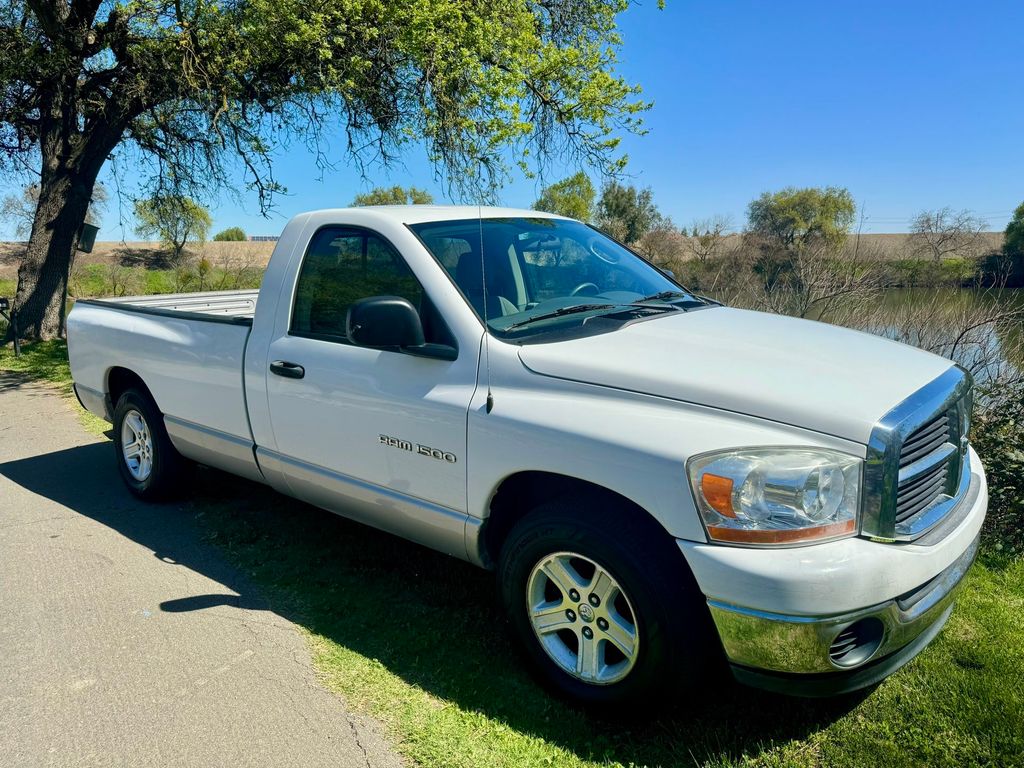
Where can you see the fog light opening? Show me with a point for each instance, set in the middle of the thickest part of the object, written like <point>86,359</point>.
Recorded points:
<point>856,643</point>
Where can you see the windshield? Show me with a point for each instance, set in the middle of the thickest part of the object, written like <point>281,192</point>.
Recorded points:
<point>549,275</point>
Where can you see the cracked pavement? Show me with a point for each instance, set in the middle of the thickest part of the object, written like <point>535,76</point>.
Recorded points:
<point>125,640</point>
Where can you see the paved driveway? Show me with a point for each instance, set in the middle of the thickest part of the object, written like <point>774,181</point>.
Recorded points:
<point>124,640</point>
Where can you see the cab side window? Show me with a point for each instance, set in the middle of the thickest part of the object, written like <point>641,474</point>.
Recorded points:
<point>343,265</point>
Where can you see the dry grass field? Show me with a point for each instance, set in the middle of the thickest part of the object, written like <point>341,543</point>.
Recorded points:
<point>143,254</point>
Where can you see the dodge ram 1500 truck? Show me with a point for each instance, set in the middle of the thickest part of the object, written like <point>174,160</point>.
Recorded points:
<point>661,483</point>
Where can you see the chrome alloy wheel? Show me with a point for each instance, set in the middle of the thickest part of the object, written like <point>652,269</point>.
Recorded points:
<point>583,618</point>
<point>137,445</point>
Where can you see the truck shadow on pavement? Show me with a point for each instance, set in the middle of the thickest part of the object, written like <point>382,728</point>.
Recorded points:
<point>427,618</point>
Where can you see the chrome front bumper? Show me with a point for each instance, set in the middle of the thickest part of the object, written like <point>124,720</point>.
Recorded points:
<point>797,654</point>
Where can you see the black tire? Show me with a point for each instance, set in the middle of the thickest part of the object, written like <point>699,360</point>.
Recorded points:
<point>677,651</point>
<point>167,465</point>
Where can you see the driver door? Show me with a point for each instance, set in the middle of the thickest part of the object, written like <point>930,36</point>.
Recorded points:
<point>381,426</point>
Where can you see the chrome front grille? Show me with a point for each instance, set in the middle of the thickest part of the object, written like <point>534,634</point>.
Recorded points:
<point>917,463</point>
<point>930,446</point>
<point>924,440</point>
<point>916,495</point>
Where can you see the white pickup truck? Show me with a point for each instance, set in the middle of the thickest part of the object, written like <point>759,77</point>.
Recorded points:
<point>662,483</point>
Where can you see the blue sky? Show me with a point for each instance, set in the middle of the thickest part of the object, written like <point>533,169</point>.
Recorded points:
<point>911,105</point>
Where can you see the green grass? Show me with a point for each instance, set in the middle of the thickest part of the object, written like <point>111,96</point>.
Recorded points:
<point>46,360</point>
<point>413,638</point>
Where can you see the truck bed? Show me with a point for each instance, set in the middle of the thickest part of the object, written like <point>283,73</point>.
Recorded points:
<point>207,305</point>
<point>189,350</point>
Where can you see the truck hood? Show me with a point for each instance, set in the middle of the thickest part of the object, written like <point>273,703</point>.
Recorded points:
<point>798,372</point>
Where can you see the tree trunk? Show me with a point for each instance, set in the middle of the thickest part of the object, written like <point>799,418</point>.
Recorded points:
<point>43,275</point>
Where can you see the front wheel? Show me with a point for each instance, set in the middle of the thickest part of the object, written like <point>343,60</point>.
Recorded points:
<point>147,460</point>
<point>582,618</point>
<point>604,605</point>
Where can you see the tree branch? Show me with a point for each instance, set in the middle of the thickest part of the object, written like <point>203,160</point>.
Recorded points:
<point>52,15</point>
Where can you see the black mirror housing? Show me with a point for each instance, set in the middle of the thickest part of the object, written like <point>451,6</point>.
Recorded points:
<point>384,322</point>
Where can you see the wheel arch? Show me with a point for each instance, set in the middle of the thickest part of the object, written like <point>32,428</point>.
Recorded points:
<point>519,493</point>
<point>120,380</point>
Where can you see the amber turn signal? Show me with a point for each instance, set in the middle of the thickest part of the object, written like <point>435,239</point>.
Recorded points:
<point>717,491</point>
<point>794,536</point>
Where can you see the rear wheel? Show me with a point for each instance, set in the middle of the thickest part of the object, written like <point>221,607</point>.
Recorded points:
<point>147,460</point>
<point>604,606</point>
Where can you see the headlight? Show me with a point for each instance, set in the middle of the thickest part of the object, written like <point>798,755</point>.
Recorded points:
<point>777,495</point>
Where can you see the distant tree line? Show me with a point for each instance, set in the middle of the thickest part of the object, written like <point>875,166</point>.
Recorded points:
<point>395,195</point>
<point>786,228</point>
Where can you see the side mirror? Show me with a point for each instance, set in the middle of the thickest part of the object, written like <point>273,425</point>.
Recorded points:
<point>384,321</point>
<point>391,322</point>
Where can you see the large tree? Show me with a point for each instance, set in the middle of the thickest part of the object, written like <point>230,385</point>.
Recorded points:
<point>626,212</point>
<point>797,234</point>
<point>572,197</point>
<point>192,89</point>
<point>794,220</point>
<point>173,220</point>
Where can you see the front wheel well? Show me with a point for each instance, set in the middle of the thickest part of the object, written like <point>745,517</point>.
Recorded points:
<point>520,493</point>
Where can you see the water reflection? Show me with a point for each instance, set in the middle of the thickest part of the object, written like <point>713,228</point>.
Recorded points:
<point>982,330</point>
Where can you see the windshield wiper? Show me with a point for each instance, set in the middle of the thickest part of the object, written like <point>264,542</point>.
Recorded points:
<point>563,311</point>
<point>617,307</point>
<point>695,300</point>
<point>662,296</point>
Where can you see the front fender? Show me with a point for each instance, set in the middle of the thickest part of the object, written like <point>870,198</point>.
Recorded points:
<point>633,444</point>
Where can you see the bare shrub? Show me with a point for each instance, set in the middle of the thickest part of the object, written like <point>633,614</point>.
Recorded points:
<point>811,282</point>
<point>708,237</point>
<point>183,273</point>
<point>945,232</point>
<point>203,270</point>
<point>977,330</point>
<point>232,268</point>
<point>119,280</point>
<point>663,245</point>
<point>77,279</point>
<point>728,278</point>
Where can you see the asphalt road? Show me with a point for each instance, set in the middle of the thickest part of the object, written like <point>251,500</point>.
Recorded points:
<point>127,641</point>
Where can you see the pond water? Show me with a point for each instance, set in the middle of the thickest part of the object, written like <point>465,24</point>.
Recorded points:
<point>946,320</point>
<point>1010,297</point>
